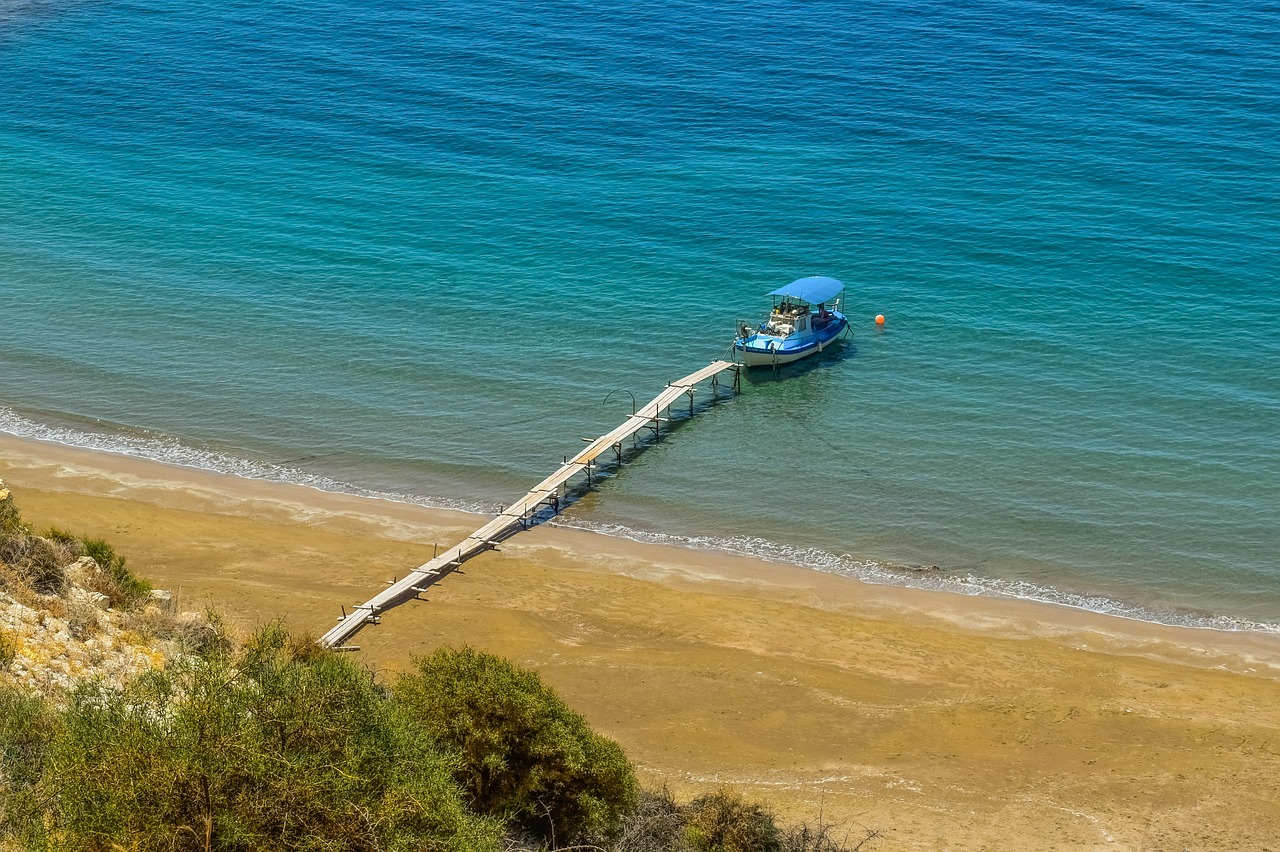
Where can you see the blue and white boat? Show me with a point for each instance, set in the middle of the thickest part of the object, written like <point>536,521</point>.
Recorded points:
<point>805,319</point>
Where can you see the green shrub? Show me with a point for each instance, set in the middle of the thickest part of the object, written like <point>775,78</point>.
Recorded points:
<point>10,517</point>
<point>200,637</point>
<point>725,822</point>
<point>281,747</point>
<point>523,755</point>
<point>722,821</point>
<point>68,541</point>
<point>123,588</point>
<point>27,727</point>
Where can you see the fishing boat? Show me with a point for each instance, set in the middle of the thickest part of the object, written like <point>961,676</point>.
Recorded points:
<point>805,319</point>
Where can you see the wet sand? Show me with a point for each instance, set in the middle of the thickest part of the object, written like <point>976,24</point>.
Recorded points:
<point>943,721</point>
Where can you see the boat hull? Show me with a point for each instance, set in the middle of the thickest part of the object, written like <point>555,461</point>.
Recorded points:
<point>760,350</point>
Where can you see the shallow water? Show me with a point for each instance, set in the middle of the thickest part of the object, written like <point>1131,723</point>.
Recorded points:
<point>412,251</point>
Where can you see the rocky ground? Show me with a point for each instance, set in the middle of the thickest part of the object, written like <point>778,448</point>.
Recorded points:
<point>50,654</point>
<point>49,643</point>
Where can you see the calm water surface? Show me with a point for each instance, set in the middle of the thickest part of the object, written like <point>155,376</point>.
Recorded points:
<point>379,247</point>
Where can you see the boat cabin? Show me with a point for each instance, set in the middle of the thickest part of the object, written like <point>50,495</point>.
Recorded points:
<point>795,327</point>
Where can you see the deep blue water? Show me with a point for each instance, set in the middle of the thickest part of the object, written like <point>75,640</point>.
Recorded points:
<point>411,250</point>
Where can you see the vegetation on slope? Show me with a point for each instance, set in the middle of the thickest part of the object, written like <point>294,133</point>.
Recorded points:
<point>278,744</point>
<point>38,564</point>
<point>521,753</point>
<point>70,609</point>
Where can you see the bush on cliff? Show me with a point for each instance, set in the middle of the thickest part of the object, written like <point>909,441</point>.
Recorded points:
<point>725,822</point>
<point>722,821</point>
<point>29,561</point>
<point>27,726</point>
<point>38,563</point>
<point>285,746</point>
<point>124,588</point>
<point>10,517</point>
<point>280,747</point>
<point>522,754</point>
<point>33,562</point>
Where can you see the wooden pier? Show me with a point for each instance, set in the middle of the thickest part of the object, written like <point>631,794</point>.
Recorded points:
<point>519,514</point>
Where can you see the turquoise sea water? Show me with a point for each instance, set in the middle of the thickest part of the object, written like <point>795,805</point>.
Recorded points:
<point>376,246</point>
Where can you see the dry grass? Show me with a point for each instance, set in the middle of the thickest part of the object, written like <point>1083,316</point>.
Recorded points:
<point>73,579</point>
<point>8,649</point>
<point>34,568</point>
<point>35,562</point>
<point>198,634</point>
<point>83,617</point>
<point>724,821</point>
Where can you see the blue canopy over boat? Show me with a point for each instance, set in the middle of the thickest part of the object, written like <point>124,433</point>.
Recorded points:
<point>814,290</point>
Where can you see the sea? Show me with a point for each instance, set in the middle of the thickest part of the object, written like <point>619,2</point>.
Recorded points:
<point>420,250</point>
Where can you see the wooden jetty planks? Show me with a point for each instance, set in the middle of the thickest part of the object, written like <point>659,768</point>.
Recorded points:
<point>513,518</point>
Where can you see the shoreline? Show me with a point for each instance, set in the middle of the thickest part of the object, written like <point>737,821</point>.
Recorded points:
<point>178,485</point>
<point>109,474</point>
<point>943,720</point>
<point>868,572</point>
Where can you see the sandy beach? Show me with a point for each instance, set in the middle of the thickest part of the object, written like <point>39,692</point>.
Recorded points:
<point>940,720</point>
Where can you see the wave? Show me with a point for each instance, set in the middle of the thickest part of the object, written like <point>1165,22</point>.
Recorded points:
<point>165,449</point>
<point>168,450</point>
<point>927,577</point>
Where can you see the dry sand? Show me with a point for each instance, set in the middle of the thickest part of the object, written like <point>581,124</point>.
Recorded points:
<point>940,720</point>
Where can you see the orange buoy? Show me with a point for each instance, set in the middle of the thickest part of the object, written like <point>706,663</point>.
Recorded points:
<point>879,319</point>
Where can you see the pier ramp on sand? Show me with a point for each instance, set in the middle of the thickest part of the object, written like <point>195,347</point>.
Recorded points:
<point>519,514</point>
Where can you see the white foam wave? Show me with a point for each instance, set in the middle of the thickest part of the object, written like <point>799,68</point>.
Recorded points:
<point>886,573</point>
<point>165,449</point>
<point>168,450</point>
